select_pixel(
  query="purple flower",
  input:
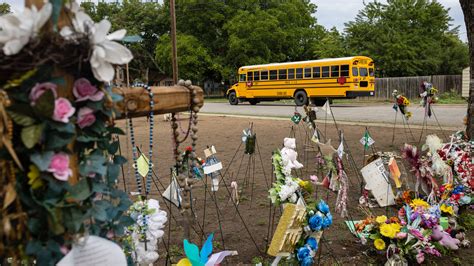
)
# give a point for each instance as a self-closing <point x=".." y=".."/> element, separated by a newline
<point x="432" y="251"/>
<point x="41" y="88"/>
<point x="59" y="166"/>
<point x="85" y="117"/>
<point x="83" y="90"/>
<point x="416" y="233"/>
<point x="62" y="110"/>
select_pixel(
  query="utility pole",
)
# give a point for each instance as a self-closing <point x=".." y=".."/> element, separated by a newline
<point x="174" y="52"/>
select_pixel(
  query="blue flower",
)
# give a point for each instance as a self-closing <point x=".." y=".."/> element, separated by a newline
<point x="312" y="243"/>
<point x="323" y="207"/>
<point x="435" y="211"/>
<point x="303" y="252"/>
<point x="327" y="221"/>
<point x="458" y="189"/>
<point x="315" y="222"/>
<point x="308" y="261"/>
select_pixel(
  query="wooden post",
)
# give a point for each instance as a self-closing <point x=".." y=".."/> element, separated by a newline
<point x="172" y="99"/>
<point x="174" y="52"/>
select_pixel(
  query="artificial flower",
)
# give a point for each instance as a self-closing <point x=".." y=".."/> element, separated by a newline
<point x="41" y="88"/>
<point x="420" y="257"/>
<point x="83" y="90"/>
<point x="305" y="185"/>
<point x="323" y="207"/>
<point x="401" y="235"/>
<point x="447" y="209"/>
<point x="59" y="166"/>
<point x="303" y="252"/>
<point x="105" y="51"/>
<point x="62" y="110"/>
<point x="379" y="244"/>
<point x="313" y="243"/>
<point x="419" y="203"/>
<point x="315" y="222"/>
<point x="408" y="115"/>
<point x="381" y="219"/>
<point x="327" y="221"/>
<point x="85" y="117"/>
<point x="16" y="29"/>
<point x="34" y="177"/>
<point x="387" y="230"/>
<point x="314" y="179"/>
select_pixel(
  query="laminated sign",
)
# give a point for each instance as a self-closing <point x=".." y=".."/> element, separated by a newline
<point x="377" y="180"/>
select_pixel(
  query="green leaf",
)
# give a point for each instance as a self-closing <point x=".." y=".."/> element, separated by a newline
<point x="45" y="104"/>
<point x="42" y="160"/>
<point x="21" y="119"/>
<point x="113" y="147"/>
<point x="86" y="138"/>
<point x="115" y="130"/>
<point x="58" y="140"/>
<point x="93" y="164"/>
<point x="81" y="190"/>
<point x="73" y="218"/>
<point x="31" y="135"/>
<point x="99" y="210"/>
<point x="113" y="171"/>
<point x="118" y="159"/>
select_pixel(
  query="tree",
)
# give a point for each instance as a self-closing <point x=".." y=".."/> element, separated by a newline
<point x="406" y="37"/>
<point x="194" y="61"/>
<point x="331" y="45"/>
<point x="468" y="10"/>
<point x="4" y="8"/>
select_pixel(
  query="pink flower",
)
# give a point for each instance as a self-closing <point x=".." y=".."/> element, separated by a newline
<point x="84" y="90"/>
<point x="420" y="257"/>
<point x="417" y="234"/>
<point x="64" y="250"/>
<point x="59" y="166"/>
<point x="401" y="235"/>
<point x="62" y="110"/>
<point x="41" y="88"/>
<point x="110" y="234"/>
<point x="314" y="179"/>
<point x="85" y="117"/>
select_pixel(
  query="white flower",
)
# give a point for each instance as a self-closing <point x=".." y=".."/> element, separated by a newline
<point x="105" y="51"/>
<point x="16" y="30"/>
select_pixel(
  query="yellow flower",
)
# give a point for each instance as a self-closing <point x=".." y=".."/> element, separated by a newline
<point x="406" y="102"/>
<point x="396" y="227"/>
<point x="379" y="244"/>
<point x="381" y="219"/>
<point x="419" y="203"/>
<point x="184" y="262"/>
<point x="408" y="115"/>
<point x="387" y="230"/>
<point x="306" y="185"/>
<point x="447" y="209"/>
<point x="34" y="177"/>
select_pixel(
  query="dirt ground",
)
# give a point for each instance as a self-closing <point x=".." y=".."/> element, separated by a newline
<point x="339" y="245"/>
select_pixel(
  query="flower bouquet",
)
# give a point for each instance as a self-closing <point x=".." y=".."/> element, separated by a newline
<point x="401" y="103"/>
<point x="417" y="231"/>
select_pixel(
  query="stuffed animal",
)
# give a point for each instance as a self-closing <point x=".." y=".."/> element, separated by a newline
<point x="444" y="238"/>
<point x="289" y="155"/>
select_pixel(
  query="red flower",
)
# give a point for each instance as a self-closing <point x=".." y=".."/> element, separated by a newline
<point x="189" y="149"/>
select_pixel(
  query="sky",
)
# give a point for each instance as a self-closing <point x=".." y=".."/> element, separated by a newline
<point x="334" y="13"/>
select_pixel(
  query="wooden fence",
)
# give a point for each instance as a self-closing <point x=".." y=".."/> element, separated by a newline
<point x="410" y="86"/>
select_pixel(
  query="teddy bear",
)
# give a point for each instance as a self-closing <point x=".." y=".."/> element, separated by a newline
<point x="444" y="238"/>
<point x="289" y="155"/>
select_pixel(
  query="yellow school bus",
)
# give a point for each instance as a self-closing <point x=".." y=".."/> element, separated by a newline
<point x="315" y="81"/>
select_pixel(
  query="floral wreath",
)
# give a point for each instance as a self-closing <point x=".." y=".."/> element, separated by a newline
<point x="58" y="144"/>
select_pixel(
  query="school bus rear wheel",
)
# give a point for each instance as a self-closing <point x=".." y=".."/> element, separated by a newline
<point x="233" y="98"/>
<point x="253" y="101"/>
<point x="301" y="98"/>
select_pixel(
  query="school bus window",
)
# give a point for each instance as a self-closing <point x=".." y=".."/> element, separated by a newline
<point x="249" y="76"/>
<point x="264" y="75"/>
<point x="282" y="74"/>
<point x="345" y="71"/>
<point x="335" y="71"/>
<point x="307" y="73"/>
<point x="316" y="72"/>
<point x="291" y="73"/>
<point x="243" y="77"/>
<point x="256" y="75"/>
<point x="273" y="74"/>
<point x="363" y="72"/>
<point x="355" y="71"/>
<point x="371" y="72"/>
<point x="299" y="73"/>
<point x="325" y="72"/>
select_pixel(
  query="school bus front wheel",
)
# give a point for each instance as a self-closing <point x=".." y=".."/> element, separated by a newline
<point x="232" y="97"/>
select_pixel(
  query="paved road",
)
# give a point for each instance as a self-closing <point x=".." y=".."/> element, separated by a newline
<point x="448" y="115"/>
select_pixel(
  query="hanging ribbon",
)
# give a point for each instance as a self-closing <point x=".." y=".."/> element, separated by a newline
<point x="5" y="132"/>
<point x="235" y="192"/>
<point x="341" y="201"/>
